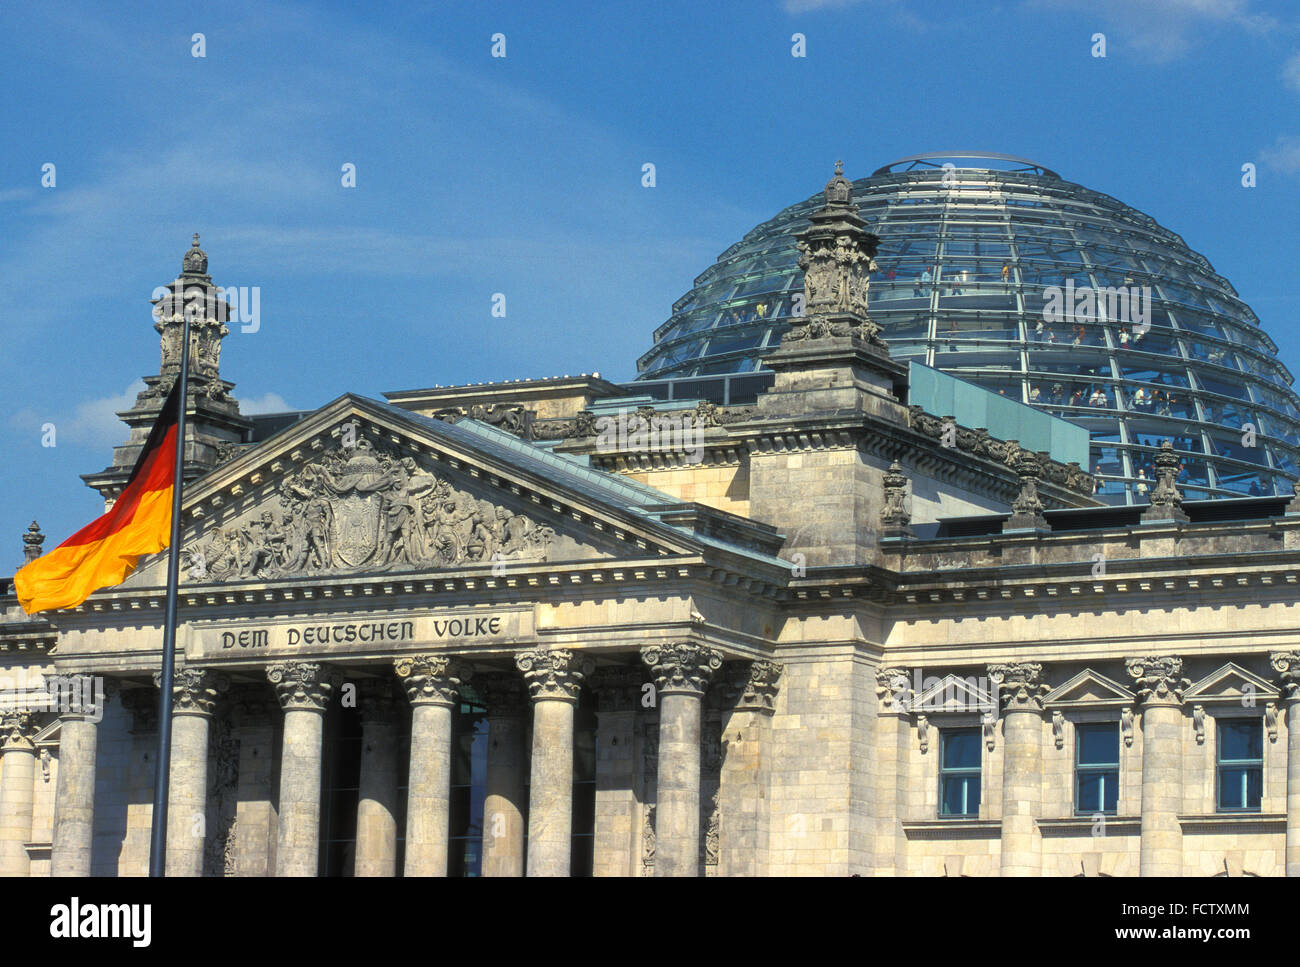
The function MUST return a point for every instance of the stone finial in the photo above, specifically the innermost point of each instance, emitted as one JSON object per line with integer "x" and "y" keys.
{"x": 195, "y": 261}
{"x": 1027, "y": 508}
{"x": 895, "y": 518}
{"x": 432, "y": 679}
{"x": 1018, "y": 685}
{"x": 839, "y": 190}
{"x": 554, "y": 674}
{"x": 1287, "y": 666}
{"x": 302, "y": 685}
{"x": 1166, "y": 499}
{"x": 32, "y": 541}
{"x": 195, "y": 691}
{"x": 1158, "y": 680}
{"x": 682, "y": 666}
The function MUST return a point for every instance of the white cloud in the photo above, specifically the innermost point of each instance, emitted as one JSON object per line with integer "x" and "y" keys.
{"x": 267, "y": 403}
{"x": 1166, "y": 29}
{"x": 1291, "y": 72}
{"x": 1284, "y": 156}
{"x": 804, "y": 6}
{"x": 94, "y": 423}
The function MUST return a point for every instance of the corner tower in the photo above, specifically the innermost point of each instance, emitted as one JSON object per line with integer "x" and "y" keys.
{"x": 212, "y": 414}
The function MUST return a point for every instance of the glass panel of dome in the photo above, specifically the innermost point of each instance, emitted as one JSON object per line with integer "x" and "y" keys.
{"x": 1221, "y": 387}
{"x": 724, "y": 343}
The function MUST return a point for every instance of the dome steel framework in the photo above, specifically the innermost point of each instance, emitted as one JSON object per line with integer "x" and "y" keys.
{"x": 977, "y": 253}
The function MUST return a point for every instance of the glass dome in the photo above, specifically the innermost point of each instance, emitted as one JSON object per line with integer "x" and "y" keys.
{"x": 984, "y": 270}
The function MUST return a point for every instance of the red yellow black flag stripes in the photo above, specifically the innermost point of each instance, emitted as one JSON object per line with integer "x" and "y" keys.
{"x": 106, "y": 550}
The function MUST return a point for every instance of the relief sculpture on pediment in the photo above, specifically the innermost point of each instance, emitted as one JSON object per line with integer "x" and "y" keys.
{"x": 365, "y": 507}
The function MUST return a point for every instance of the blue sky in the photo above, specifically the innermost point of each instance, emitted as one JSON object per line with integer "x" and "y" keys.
{"x": 522, "y": 175}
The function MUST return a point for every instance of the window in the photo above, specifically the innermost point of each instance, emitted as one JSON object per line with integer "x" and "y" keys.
{"x": 1241, "y": 764}
{"x": 1096, "y": 768}
{"x": 959, "y": 772}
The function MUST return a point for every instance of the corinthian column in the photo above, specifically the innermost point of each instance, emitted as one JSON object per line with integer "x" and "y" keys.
{"x": 17, "y": 796}
{"x": 195, "y": 693}
{"x": 554, "y": 678}
{"x": 74, "y": 797}
{"x": 1159, "y": 684}
{"x": 304, "y": 690}
{"x": 376, "y": 853}
{"x": 432, "y": 684}
{"x": 503, "y": 802}
{"x": 1287, "y": 664}
{"x": 1022, "y": 765}
{"x": 681, "y": 673}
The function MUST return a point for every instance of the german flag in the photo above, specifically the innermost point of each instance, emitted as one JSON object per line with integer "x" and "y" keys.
{"x": 105, "y": 551}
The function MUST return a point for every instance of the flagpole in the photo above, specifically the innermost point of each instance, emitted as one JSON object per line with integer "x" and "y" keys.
{"x": 162, "y": 768}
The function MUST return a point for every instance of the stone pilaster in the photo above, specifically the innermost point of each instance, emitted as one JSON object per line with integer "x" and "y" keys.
{"x": 74, "y": 797}
{"x": 376, "y": 849}
{"x": 432, "y": 684}
{"x": 1022, "y": 765}
{"x": 894, "y": 692}
{"x": 618, "y": 839}
{"x": 1159, "y": 684}
{"x": 554, "y": 677}
{"x": 17, "y": 790}
{"x": 1287, "y": 665}
{"x": 304, "y": 690}
{"x": 743, "y": 797}
{"x": 681, "y": 672}
{"x": 195, "y": 693}
{"x": 257, "y": 716}
{"x": 503, "y": 801}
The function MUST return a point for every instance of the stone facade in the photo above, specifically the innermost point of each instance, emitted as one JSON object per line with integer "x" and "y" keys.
{"x": 778, "y": 668}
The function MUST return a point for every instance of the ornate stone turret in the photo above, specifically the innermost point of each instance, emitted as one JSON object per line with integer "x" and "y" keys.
{"x": 832, "y": 358}
{"x": 895, "y": 518}
{"x": 32, "y": 541}
{"x": 213, "y": 418}
{"x": 836, "y": 254}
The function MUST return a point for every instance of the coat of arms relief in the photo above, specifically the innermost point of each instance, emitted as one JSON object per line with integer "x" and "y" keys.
{"x": 365, "y": 507}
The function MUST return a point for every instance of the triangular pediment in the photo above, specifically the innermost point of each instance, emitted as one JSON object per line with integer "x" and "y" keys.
{"x": 1231, "y": 684}
{"x": 364, "y": 487}
{"x": 953, "y": 693}
{"x": 1088, "y": 688}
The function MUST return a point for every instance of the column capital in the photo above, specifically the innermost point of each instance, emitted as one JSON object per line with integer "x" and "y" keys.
{"x": 682, "y": 666}
{"x": 753, "y": 684}
{"x": 1287, "y": 666}
{"x": 554, "y": 674}
{"x": 1158, "y": 680}
{"x": 503, "y": 692}
{"x": 195, "y": 691}
{"x": 618, "y": 688}
{"x": 302, "y": 685}
{"x": 17, "y": 729}
{"x": 1018, "y": 686}
{"x": 432, "y": 679}
{"x": 79, "y": 696}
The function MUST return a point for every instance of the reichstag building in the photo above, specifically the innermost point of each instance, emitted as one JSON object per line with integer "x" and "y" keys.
{"x": 947, "y": 530}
